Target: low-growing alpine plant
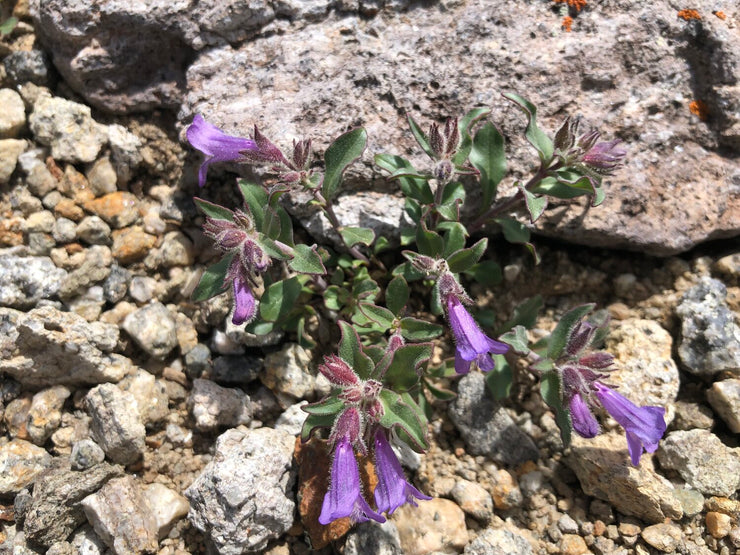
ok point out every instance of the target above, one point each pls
(380, 368)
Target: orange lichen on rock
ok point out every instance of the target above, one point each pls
(567, 23)
(688, 15)
(720, 14)
(577, 5)
(700, 109)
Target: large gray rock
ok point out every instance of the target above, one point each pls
(49, 347)
(67, 128)
(121, 515)
(603, 467)
(702, 460)
(378, 539)
(251, 65)
(115, 423)
(710, 338)
(213, 406)
(243, 497)
(28, 279)
(153, 328)
(485, 425)
(54, 510)
(20, 463)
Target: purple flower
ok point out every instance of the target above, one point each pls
(644, 425)
(392, 490)
(584, 422)
(604, 157)
(344, 497)
(472, 344)
(215, 144)
(244, 303)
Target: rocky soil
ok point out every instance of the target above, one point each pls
(133, 420)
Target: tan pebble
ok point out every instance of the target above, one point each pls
(599, 528)
(118, 209)
(724, 505)
(572, 544)
(718, 524)
(131, 244)
(663, 537)
(74, 185)
(67, 208)
(629, 530)
(436, 525)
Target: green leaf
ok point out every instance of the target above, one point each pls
(489, 158)
(525, 314)
(429, 242)
(378, 314)
(331, 405)
(286, 227)
(258, 327)
(255, 197)
(535, 205)
(381, 245)
(517, 339)
(500, 379)
(465, 259)
(438, 392)
(350, 351)
(401, 415)
(419, 330)
(536, 137)
(487, 273)
(517, 232)
(341, 153)
(271, 248)
(214, 211)
(335, 297)
(454, 238)
(279, 299)
(561, 334)
(405, 367)
(464, 126)
(357, 235)
(421, 137)
(212, 281)
(411, 187)
(453, 198)
(7, 26)
(396, 295)
(306, 261)
(550, 388)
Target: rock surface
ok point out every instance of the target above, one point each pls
(485, 425)
(115, 423)
(242, 499)
(437, 525)
(60, 348)
(604, 470)
(702, 460)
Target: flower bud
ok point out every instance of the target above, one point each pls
(338, 372)
(347, 425)
(449, 287)
(452, 137)
(302, 154)
(597, 361)
(580, 337)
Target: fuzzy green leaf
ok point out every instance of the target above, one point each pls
(421, 137)
(341, 153)
(517, 339)
(454, 238)
(279, 299)
(396, 295)
(536, 137)
(464, 126)
(212, 281)
(487, 272)
(561, 334)
(357, 235)
(378, 314)
(214, 211)
(535, 205)
(489, 158)
(405, 366)
(404, 414)
(306, 261)
(419, 330)
(550, 388)
(415, 188)
(429, 242)
(453, 198)
(465, 259)
(350, 351)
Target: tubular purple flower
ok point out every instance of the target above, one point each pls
(584, 422)
(344, 497)
(604, 157)
(215, 144)
(472, 344)
(392, 490)
(244, 303)
(644, 426)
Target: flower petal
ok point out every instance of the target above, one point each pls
(244, 302)
(392, 490)
(584, 422)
